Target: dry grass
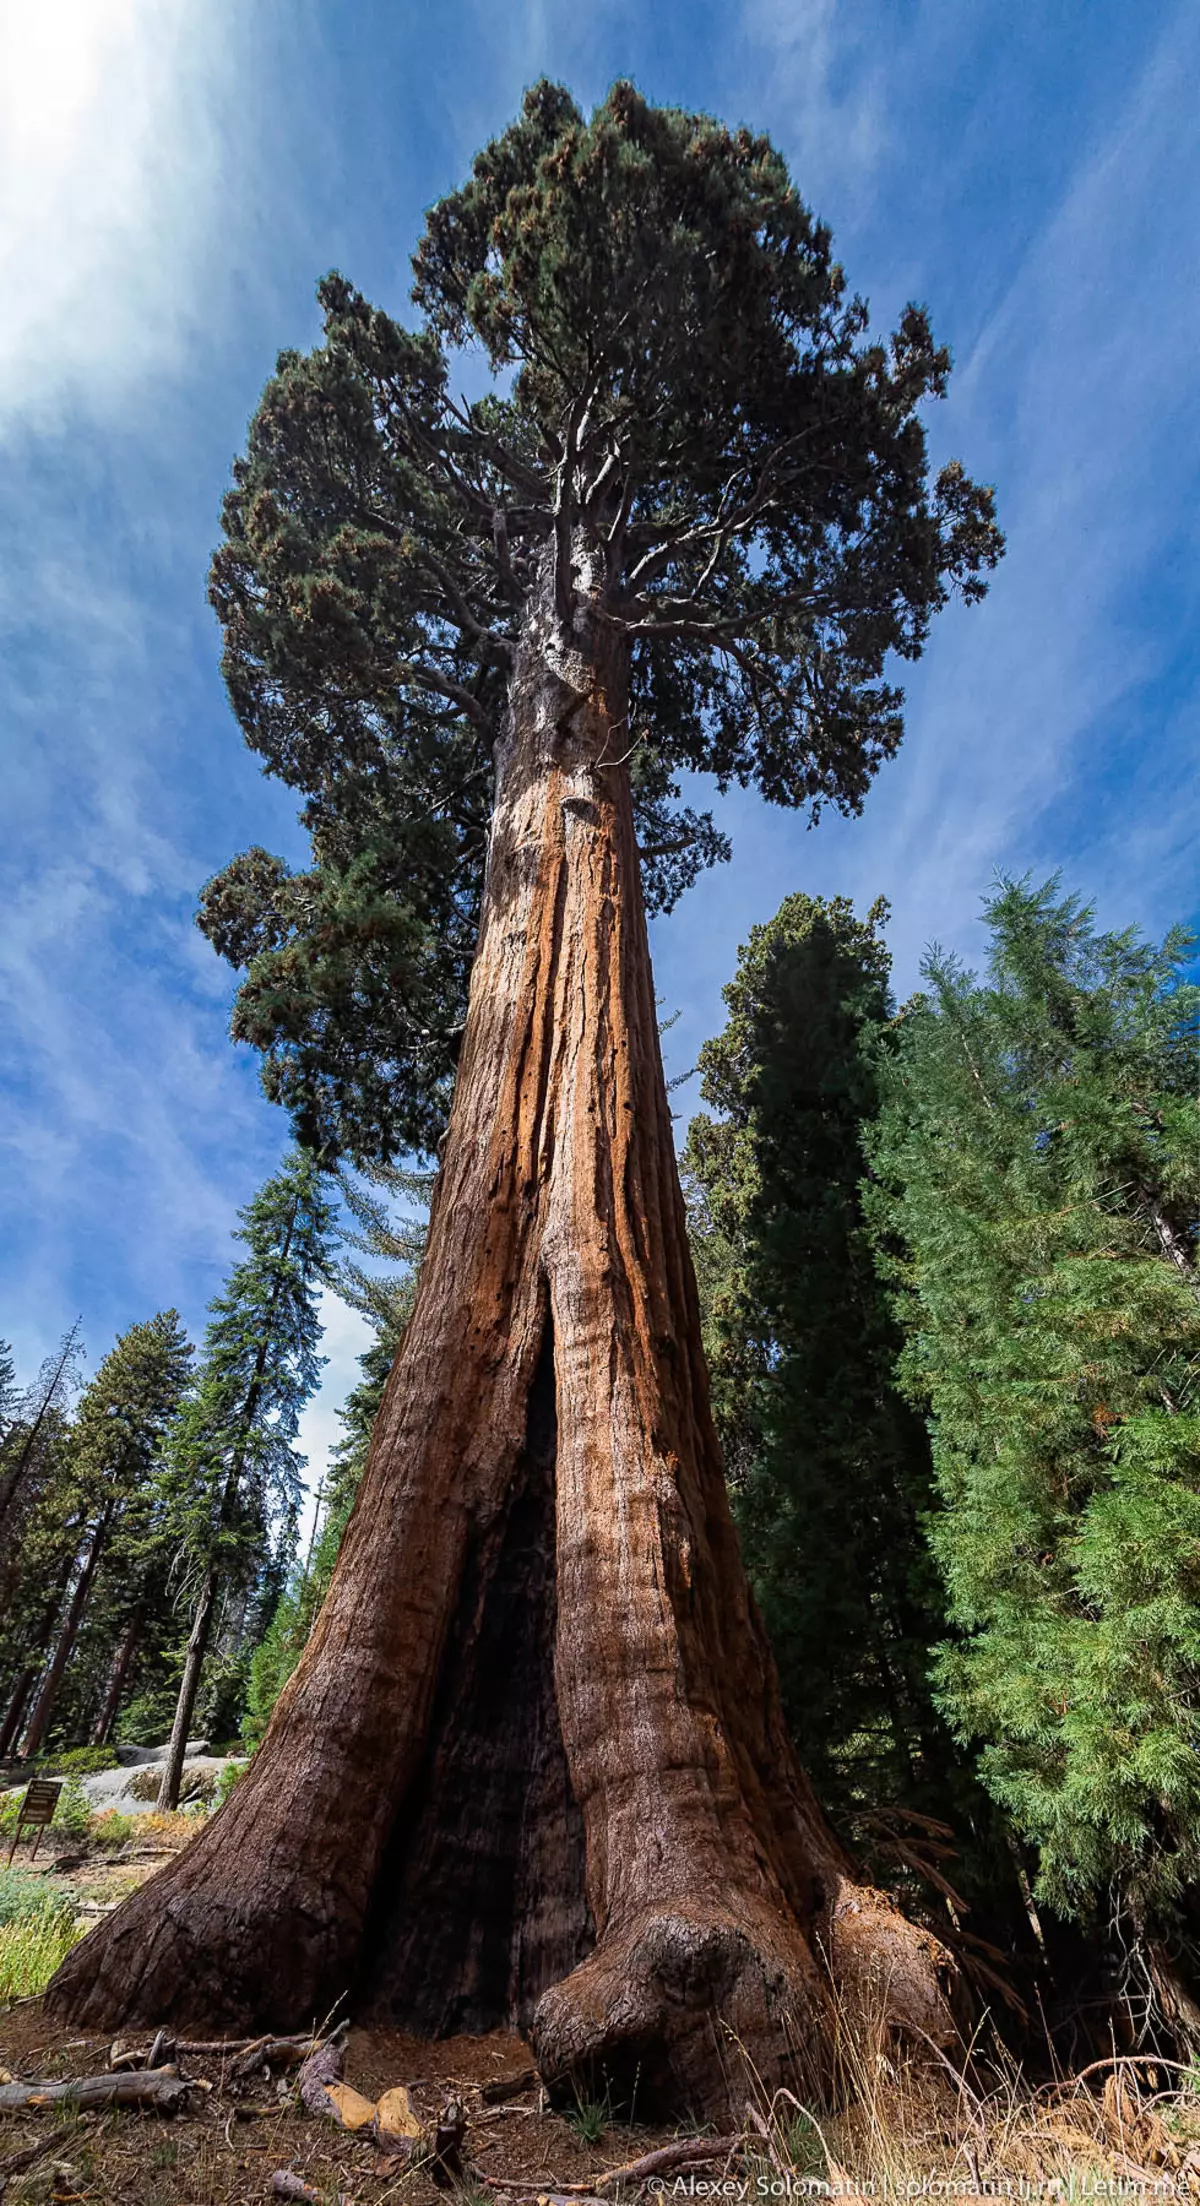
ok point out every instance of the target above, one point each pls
(915, 2129)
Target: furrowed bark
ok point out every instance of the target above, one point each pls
(533, 1764)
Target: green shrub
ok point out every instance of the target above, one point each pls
(73, 1815)
(23, 1893)
(113, 1829)
(227, 1779)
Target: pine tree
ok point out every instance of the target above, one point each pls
(685, 529)
(234, 1461)
(115, 1444)
(22, 1419)
(1040, 1160)
(395, 1240)
(832, 1465)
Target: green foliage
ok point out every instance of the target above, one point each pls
(226, 1780)
(73, 1815)
(81, 1761)
(691, 439)
(284, 1641)
(23, 1893)
(237, 1475)
(829, 1466)
(1040, 1164)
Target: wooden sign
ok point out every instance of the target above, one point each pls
(36, 1810)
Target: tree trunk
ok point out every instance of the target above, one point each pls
(185, 1706)
(43, 1707)
(117, 1677)
(28, 1677)
(532, 1764)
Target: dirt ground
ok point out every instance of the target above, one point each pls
(240, 2134)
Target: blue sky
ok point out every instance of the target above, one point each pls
(176, 174)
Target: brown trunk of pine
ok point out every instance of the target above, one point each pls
(122, 1660)
(189, 1686)
(532, 1764)
(28, 1677)
(44, 1705)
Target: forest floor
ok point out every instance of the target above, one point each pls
(1125, 2128)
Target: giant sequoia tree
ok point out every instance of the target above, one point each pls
(532, 1762)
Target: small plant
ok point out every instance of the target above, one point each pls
(112, 1828)
(589, 2118)
(227, 1779)
(73, 1815)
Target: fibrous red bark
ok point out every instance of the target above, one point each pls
(533, 1765)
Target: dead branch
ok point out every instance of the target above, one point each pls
(163, 2088)
(320, 2069)
(278, 2052)
(507, 2087)
(685, 2152)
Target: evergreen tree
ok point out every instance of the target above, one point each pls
(830, 1466)
(384, 1297)
(1040, 1159)
(115, 1444)
(234, 1460)
(22, 1420)
(37, 1559)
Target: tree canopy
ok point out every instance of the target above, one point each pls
(692, 439)
(1038, 1161)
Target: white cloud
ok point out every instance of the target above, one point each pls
(346, 1335)
(110, 168)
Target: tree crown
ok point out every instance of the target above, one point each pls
(692, 442)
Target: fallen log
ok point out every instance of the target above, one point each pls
(163, 2088)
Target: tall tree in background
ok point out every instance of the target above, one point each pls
(233, 1446)
(1040, 1154)
(831, 1465)
(37, 1560)
(117, 1437)
(394, 1239)
(535, 1739)
(24, 1418)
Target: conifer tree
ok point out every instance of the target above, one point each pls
(115, 1444)
(1040, 1159)
(686, 529)
(831, 1465)
(22, 1421)
(394, 1239)
(233, 1453)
